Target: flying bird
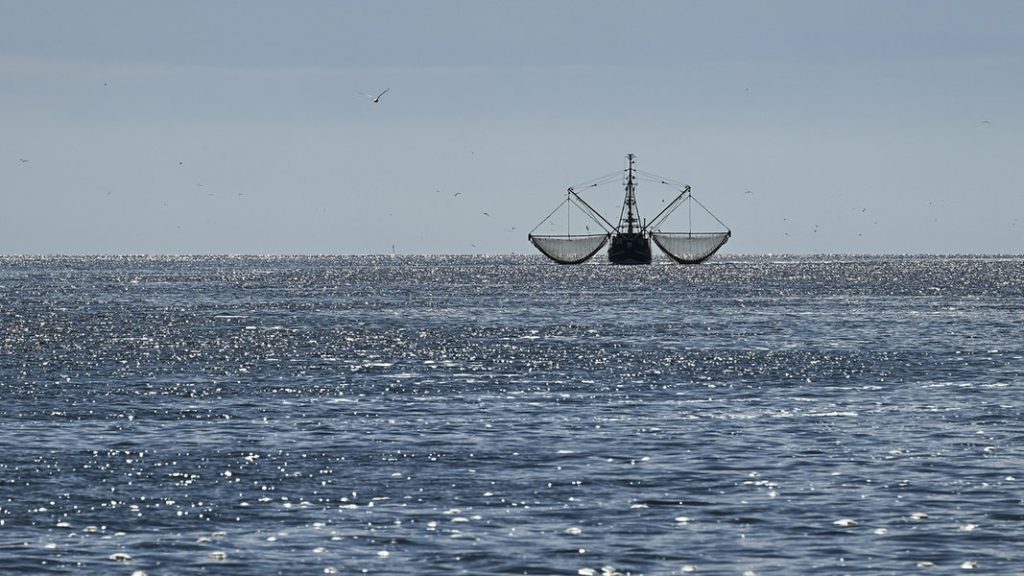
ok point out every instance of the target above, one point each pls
(376, 99)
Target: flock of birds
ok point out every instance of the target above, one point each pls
(376, 99)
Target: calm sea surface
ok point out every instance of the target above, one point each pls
(459, 415)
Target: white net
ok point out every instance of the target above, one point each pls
(569, 249)
(690, 247)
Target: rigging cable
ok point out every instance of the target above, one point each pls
(550, 215)
(712, 214)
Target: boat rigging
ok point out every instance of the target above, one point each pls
(631, 238)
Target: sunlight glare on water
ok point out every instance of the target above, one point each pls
(470, 415)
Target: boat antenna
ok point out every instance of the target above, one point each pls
(630, 215)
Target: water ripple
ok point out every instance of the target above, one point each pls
(440, 415)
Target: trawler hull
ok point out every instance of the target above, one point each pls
(630, 249)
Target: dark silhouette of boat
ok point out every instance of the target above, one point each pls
(631, 238)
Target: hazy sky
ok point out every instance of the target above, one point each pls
(238, 126)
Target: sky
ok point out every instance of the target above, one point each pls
(242, 127)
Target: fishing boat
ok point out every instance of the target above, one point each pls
(631, 238)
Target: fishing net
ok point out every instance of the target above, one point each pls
(569, 249)
(690, 247)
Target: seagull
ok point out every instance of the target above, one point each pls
(376, 99)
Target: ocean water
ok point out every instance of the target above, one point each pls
(470, 415)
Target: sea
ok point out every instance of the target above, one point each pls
(479, 415)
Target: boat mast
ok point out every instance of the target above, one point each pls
(630, 214)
